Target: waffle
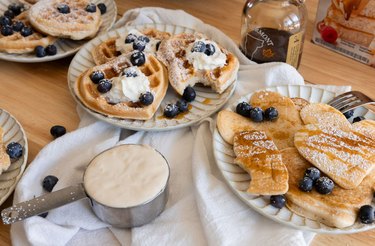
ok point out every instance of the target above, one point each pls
(281, 131)
(18, 44)
(87, 93)
(300, 103)
(365, 127)
(172, 52)
(258, 155)
(78, 24)
(107, 50)
(29, 1)
(338, 209)
(4, 157)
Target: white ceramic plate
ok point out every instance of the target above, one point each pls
(13, 132)
(206, 103)
(65, 47)
(238, 179)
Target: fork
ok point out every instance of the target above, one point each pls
(350, 100)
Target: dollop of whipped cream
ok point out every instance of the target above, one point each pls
(122, 47)
(202, 61)
(128, 87)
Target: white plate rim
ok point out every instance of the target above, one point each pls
(24, 156)
(22, 59)
(324, 229)
(122, 123)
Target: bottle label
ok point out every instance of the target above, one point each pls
(269, 45)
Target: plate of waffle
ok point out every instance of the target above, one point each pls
(152, 77)
(13, 153)
(46, 30)
(298, 161)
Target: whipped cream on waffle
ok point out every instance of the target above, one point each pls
(128, 87)
(202, 61)
(124, 48)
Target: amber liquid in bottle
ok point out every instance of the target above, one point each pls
(273, 31)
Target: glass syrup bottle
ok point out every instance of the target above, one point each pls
(273, 30)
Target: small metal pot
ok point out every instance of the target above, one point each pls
(118, 217)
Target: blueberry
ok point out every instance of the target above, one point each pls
(17, 26)
(130, 73)
(43, 215)
(14, 150)
(170, 110)
(17, 8)
(358, 119)
(57, 131)
(158, 45)
(182, 105)
(313, 173)
(6, 30)
(243, 109)
(63, 8)
(278, 201)
(349, 114)
(5, 21)
(91, 8)
(104, 85)
(139, 45)
(256, 114)
(189, 94)
(366, 214)
(49, 182)
(130, 38)
(51, 50)
(198, 46)
(271, 114)
(146, 98)
(324, 185)
(210, 49)
(102, 8)
(40, 51)
(137, 58)
(9, 13)
(143, 39)
(96, 76)
(26, 31)
(306, 184)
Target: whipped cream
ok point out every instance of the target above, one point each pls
(202, 61)
(129, 87)
(122, 47)
(126, 176)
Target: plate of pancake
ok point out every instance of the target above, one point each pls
(102, 75)
(64, 24)
(11, 170)
(270, 158)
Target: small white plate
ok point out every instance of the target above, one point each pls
(65, 47)
(13, 132)
(207, 102)
(236, 176)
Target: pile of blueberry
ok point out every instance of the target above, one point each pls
(257, 114)
(14, 150)
(91, 8)
(50, 50)
(201, 47)
(323, 185)
(172, 110)
(349, 114)
(8, 26)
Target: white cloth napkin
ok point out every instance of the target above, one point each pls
(201, 209)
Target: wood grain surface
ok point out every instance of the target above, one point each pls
(38, 96)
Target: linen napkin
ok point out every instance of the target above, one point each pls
(201, 209)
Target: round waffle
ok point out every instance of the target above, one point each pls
(172, 52)
(18, 44)
(87, 93)
(107, 51)
(77, 24)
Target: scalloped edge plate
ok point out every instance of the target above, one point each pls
(234, 176)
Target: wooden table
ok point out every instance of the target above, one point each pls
(37, 94)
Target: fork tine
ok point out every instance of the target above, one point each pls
(340, 97)
(346, 102)
(342, 100)
(353, 106)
